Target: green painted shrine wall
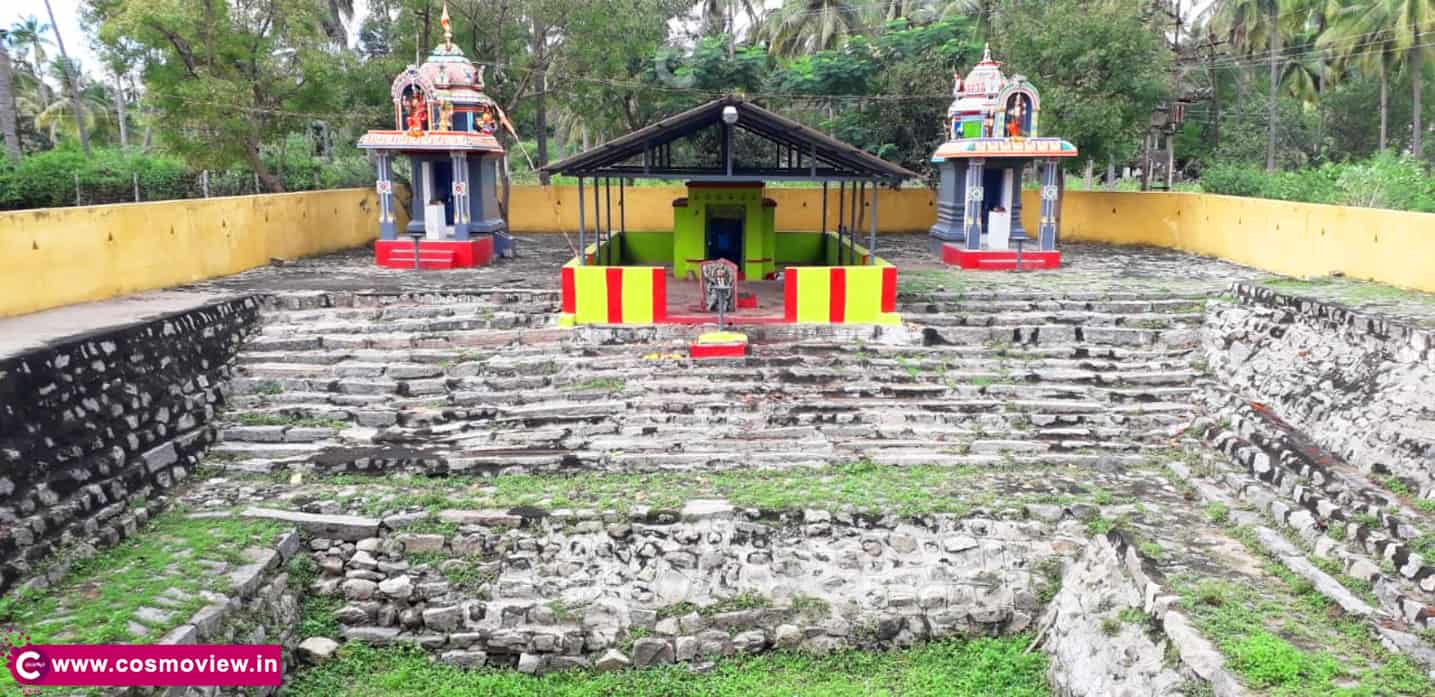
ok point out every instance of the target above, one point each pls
(800, 248)
(759, 244)
(648, 248)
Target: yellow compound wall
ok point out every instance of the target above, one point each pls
(61, 256)
(55, 257)
(1296, 239)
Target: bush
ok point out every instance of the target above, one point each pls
(48, 179)
(1384, 181)
(1233, 180)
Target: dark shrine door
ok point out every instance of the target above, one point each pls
(443, 187)
(993, 178)
(724, 235)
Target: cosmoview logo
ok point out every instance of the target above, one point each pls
(30, 664)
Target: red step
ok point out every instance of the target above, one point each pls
(428, 259)
(999, 260)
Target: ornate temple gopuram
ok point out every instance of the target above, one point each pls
(992, 135)
(447, 127)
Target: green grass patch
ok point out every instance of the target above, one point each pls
(978, 668)
(920, 282)
(598, 384)
(252, 419)
(861, 486)
(1282, 637)
(96, 600)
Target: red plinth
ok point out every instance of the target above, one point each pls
(731, 350)
(434, 254)
(998, 260)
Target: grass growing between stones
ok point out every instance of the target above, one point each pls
(1360, 294)
(862, 487)
(1282, 637)
(979, 668)
(164, 567)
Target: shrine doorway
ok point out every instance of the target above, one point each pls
(724, 233)
(443, 189)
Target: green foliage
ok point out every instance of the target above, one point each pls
(1265, 660)
(96, 600)
(977, 668)
(1384, 181)
(1100, 67)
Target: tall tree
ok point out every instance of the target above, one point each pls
(1255, 24)
(28, 36)
(226, 78)
(335, 24)
(1413, 24)
(8, 111)
(1361, 35)
(802, 26)
(73, 80)
(1101, 68)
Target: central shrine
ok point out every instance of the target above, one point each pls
(992, 131)
(724, 255)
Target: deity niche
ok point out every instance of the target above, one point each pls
(486, 123)
(1018, 116)
(417, 108)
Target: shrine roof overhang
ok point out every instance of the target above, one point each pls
(435, 141)
(988, 148)
(827, 159)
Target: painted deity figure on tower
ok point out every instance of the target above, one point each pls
(418, 115)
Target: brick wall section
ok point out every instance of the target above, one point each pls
(92, 424)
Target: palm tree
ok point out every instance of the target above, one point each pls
(1413, 26)
(97, 113)
(1390, 33)
(1253, 24)
(74, 83)
(1360, 36)
(7, 103)
(804, 26)
(720, 17)
(28, 35)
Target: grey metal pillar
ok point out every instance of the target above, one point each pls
(388, 228)
(1018, 232)
(462, 208)
(976, 196)
(872, 236)
(582, 242)
(1050, 193)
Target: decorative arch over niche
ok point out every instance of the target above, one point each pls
(1018, 98)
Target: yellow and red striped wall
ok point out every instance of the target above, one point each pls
(841, 294)
(614, 295)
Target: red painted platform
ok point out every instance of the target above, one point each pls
(702, 351)
(999, 260)
(434, 254)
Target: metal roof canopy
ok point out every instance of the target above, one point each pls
(801, 153)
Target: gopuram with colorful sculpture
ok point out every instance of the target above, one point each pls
(992, 131)
(448, 129)
(726, 261)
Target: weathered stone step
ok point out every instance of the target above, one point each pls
(1029, 334)
(939, 318)
(499, 320)
(1053, 304)
(1045, 296)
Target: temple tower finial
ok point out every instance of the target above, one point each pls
(447, 27)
